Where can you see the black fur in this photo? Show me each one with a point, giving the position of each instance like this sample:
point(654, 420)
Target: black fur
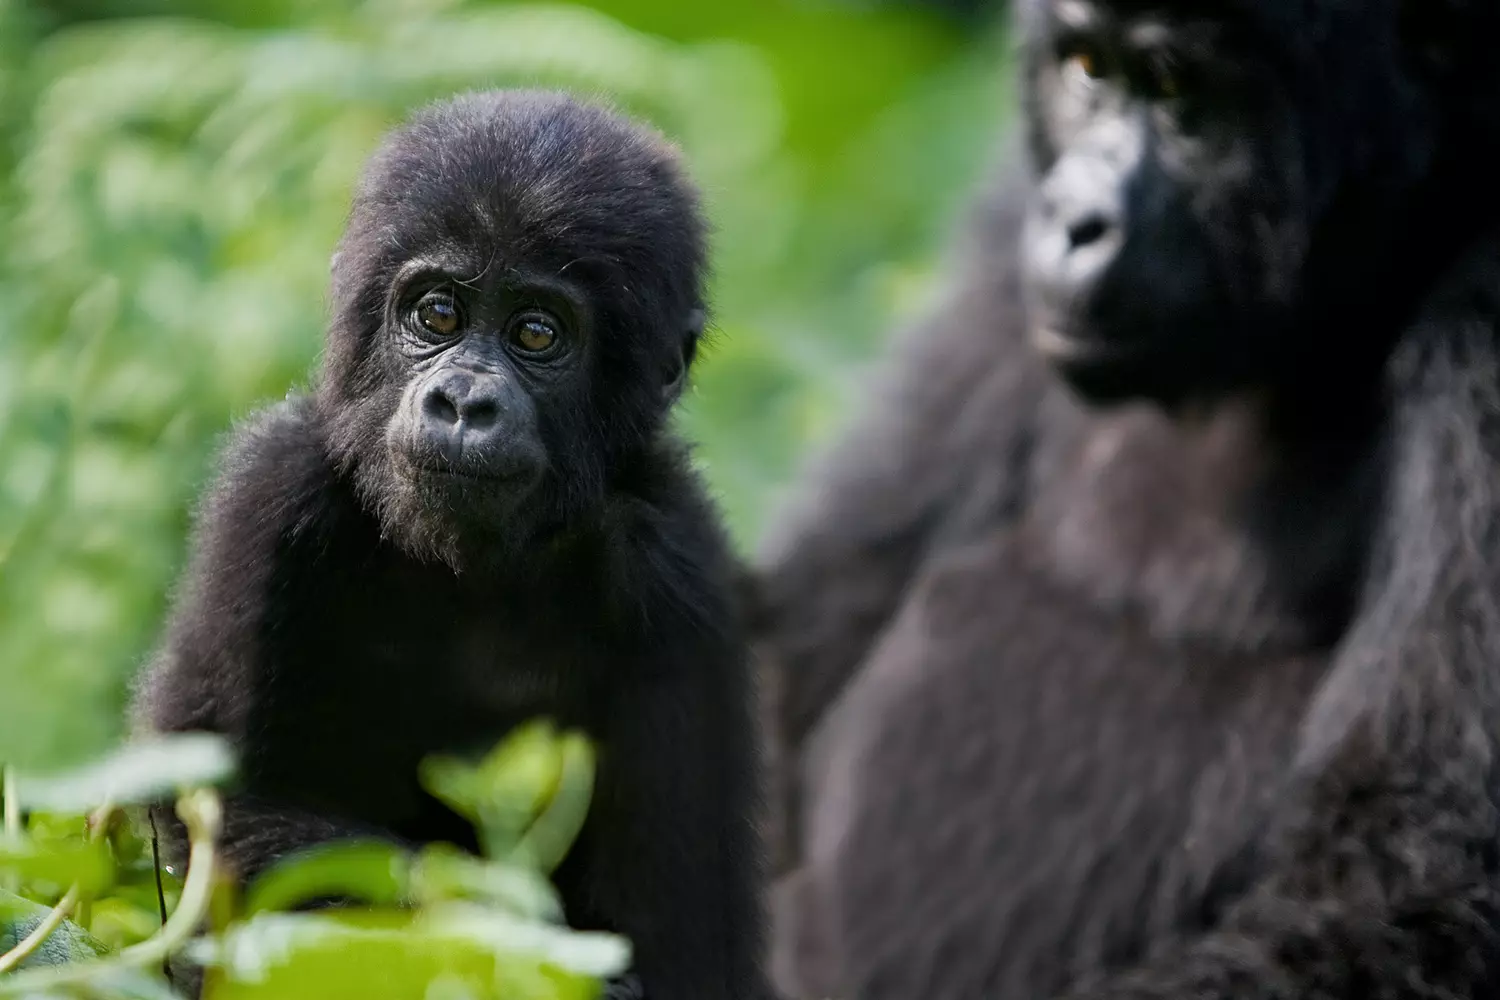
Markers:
point(1171, 669)
point(354, 605)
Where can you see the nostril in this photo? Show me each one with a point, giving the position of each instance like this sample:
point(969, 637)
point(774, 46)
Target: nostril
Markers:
point(437, 404)
point(480, 413)
point(1090, 229)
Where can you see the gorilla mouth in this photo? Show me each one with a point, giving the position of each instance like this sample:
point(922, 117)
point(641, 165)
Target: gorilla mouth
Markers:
point(441, 472)
point(1062, 348)
point(1102, 371)
point(430, 471)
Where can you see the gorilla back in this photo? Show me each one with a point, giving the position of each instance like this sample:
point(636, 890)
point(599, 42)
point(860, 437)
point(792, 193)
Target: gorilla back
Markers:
point(479, 517)
point(1145, 641)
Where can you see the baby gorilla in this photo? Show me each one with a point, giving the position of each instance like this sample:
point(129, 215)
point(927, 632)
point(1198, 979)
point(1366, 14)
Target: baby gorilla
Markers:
point(479, 517)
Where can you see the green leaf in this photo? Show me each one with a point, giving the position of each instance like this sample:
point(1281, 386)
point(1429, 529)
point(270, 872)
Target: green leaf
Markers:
point(453, 782)
point(127, 984)
point(398, 955)
point(69, 943)
point(548, 839)
point(372, 871)
point(117, 921)
point(136, 773)
point(443, 872)
point(60, 864)
point(581, 953)
point(506, 790)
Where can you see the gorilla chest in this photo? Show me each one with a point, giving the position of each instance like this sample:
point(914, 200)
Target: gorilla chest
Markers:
point(488, 673)
point(448, 678)
point(1025, 783)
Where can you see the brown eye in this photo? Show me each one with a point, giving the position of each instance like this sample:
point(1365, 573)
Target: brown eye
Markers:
point(534, 333)
point(438, 314)
point(1163, 82)
point(1084, 62)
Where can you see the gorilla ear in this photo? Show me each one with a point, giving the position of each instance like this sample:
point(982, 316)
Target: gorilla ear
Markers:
point(676, 375)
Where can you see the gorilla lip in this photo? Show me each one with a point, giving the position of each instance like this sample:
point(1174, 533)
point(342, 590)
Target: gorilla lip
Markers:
point(1055, 345)
point(434, 472)
point(431, 472)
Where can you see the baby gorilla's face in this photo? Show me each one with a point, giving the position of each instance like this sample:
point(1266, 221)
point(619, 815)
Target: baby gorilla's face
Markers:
point(492, 420)
point(481, 359)
point(515, 303)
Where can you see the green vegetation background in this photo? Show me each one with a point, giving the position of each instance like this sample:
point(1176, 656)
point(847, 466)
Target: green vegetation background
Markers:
point(174, 173)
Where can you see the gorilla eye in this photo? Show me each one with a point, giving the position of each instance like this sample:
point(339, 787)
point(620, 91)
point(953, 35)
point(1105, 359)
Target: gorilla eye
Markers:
point(1083, 62)
point(1163, 82)
point(438, 314)
point(533, 332)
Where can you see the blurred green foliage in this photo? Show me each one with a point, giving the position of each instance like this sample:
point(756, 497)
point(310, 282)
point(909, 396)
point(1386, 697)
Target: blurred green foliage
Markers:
point(174, 173)
point(79, 900)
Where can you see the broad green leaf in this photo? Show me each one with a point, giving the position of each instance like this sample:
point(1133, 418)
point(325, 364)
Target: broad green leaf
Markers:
point(370, 871)
point(127, 984)
point(135, 773)
point(584, 953)
point(397, 955)
point(118, 921)
point(60, 863)
point(505, 790)
point(442, 872)
point(69, 943)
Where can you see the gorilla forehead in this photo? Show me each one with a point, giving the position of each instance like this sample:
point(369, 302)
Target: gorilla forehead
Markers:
point(1283, 27)
point(533, 175)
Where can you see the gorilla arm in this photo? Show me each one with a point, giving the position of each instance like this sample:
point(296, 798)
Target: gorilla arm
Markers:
point(1380, 876)
point(265, 509)
point(678, 783)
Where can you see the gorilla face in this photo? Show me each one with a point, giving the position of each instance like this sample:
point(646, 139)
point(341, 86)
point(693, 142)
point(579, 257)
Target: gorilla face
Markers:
point(1196, 170)
point(516, 303)
point(480, 363)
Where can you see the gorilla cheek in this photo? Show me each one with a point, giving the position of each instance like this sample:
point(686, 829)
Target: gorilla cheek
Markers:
point(401, 430)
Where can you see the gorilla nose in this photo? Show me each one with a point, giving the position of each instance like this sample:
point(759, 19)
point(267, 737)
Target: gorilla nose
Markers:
point(460, 399)
point(1074, 235)
point(461, 410)
point(1089, 228)
point(1083, 207)
point(1086, 220)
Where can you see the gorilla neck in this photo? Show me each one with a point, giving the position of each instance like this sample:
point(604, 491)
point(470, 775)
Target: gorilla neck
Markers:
point(1131, 501)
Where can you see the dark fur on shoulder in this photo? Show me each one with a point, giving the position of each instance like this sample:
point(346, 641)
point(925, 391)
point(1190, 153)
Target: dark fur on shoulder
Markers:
point(1143, 640)
point(480, 517)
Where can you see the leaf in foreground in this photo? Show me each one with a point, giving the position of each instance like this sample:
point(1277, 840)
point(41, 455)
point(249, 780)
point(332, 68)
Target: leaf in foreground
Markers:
point(136, 773)
point(60, 863)
point(69, 943)
point(445, 872)
point(505, 790)
point(370, 871)
point(398, 955)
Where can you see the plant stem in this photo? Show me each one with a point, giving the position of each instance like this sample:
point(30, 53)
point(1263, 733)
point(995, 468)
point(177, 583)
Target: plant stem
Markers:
point(98, 823)
point(12, 818)
point(203, 814)
point(12, 801)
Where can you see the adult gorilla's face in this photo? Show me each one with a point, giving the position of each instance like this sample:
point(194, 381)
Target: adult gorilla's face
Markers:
point(1196, 172)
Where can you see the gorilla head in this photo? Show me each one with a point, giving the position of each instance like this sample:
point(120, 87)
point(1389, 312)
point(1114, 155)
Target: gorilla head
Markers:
point(1229, 193)
point(516, 302)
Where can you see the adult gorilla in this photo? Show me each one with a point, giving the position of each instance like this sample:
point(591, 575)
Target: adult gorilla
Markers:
point(1145, 640)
